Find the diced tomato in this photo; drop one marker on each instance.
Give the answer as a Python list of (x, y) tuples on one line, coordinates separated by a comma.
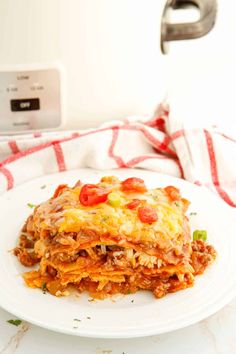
[(172, 192), (59, 189), (147, 214), (133, 184), (92, 194), (185, 204), (134, 204)]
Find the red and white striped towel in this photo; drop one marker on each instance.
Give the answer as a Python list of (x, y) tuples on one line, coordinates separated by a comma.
[(202, 156)]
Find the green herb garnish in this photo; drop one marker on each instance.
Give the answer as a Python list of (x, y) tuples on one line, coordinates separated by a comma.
[(88, 318), (44, 288), (91, 300), (177, 204), (132, 300), (200, 235), (114, 199), (193, 213), (43, 187), (76, 320), (15, 322), (30, 205)]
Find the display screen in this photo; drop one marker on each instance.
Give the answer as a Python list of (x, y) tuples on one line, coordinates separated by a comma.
[(27, 104)]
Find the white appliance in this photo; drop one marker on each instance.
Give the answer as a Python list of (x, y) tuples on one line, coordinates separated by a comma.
[(76, 63)]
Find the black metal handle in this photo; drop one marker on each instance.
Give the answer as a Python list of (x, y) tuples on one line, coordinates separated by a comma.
[(191, 30)]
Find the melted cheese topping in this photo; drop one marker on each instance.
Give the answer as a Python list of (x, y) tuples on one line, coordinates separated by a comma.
[(66, 214)]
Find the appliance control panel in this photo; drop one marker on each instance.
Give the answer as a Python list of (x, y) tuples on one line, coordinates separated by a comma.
[(30, 100)]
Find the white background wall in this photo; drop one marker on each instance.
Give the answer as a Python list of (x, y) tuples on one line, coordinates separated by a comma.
[(202, 76)]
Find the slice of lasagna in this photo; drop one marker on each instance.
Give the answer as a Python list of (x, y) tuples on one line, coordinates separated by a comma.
[(112, 237)]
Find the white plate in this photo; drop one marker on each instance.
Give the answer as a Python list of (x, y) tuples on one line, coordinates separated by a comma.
[(131, 315)]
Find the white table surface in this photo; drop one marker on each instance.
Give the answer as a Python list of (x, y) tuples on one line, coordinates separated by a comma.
[(215, 335)]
